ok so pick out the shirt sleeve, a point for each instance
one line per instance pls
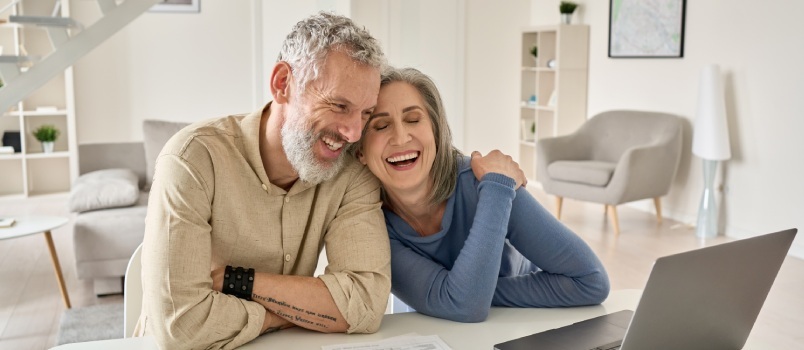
(464, 293)
(569, 273)
(359, 273)
(181, 309)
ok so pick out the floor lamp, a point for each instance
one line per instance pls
(710, 142)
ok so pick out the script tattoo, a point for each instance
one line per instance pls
(297, 318)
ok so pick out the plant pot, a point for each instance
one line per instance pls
(47, 147)
(566, 18)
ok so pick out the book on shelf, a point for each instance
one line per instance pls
(7, 222)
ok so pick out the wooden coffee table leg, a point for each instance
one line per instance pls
(57, 267)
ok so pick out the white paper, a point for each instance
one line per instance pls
(403, 342)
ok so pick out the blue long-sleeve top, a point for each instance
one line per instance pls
(497, 246)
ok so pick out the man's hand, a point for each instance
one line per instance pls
(497, 162)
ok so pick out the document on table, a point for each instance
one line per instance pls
(402, 342)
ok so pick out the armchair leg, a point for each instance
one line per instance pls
(559, 201)
(612, 210)
(658, 203)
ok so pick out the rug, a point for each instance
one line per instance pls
(96, 322)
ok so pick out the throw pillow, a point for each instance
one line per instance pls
(156, 134)
(103, 189)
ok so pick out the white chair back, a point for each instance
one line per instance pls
(132, 293)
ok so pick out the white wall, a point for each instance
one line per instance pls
(172, 66)
(759, 50)
(492, 74)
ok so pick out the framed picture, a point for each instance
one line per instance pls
(177, 6)
(646, 28)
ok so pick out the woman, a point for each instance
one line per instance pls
(464, 235)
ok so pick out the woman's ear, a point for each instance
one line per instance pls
(360, 156)
(280, 82)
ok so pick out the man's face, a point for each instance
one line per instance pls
(329, 115)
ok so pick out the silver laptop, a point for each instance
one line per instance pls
(707, 298)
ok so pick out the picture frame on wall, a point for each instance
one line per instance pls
(192, 6)
(646, 28)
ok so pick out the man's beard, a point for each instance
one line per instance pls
(298, 141)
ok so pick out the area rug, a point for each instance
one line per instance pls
(96, 322)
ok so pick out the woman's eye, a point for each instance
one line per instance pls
(379, 127)
(339, 107)
(412, 120)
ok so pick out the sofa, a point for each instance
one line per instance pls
(109, 200)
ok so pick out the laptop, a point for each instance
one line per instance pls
(707, 298)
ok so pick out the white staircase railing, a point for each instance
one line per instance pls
(70, 42)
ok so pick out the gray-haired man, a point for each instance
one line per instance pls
(266, 192)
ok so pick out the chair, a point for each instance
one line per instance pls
(615, 157)
(132, 294)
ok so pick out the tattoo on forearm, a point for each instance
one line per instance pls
(297, 318)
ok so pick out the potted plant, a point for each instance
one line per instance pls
(566, 8)
(46, 134)
(534, 51)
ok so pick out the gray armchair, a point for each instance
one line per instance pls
(615, 157)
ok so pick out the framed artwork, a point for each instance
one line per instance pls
(646, 28)
(177, 6)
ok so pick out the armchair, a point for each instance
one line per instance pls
(615, 157)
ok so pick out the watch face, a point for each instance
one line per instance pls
(551, 64)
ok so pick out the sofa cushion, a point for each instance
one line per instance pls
(103, 189)
(587, 172)
(156, 134)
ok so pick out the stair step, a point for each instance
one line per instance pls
(46, 21)
(17, 59)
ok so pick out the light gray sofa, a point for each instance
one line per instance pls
(109, 199)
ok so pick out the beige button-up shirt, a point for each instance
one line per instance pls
(211, 205)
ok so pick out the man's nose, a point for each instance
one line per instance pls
(352, 127)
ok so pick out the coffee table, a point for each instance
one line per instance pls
(30, 225)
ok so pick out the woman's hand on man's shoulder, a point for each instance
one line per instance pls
(497, 162)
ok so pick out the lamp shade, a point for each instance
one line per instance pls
(711, 135)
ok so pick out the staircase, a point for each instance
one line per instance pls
(70, 41)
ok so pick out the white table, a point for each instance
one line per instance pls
(30, 225)
(503, 324)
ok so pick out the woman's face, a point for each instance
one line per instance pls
(399, 147)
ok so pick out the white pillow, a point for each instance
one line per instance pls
(103, 189)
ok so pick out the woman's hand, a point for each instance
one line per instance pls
(500, 163)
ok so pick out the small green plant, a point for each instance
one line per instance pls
(46, 133)
(534, 51)
(567, 7)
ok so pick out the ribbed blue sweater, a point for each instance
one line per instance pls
(497, 246)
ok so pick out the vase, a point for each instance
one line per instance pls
(47, 146)
(566, 18)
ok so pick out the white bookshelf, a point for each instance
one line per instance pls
(32, 172)
(560, 90)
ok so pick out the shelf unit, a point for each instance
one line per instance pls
(560, 89)
(32, 172)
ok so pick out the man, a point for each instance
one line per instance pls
(266, 192)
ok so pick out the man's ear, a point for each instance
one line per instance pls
(280, 82)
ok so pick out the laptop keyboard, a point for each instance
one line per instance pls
(610, 346)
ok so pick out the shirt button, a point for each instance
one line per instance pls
(287, 257)
(264, 187)
(287, 199)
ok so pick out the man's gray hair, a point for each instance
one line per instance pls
(306, 47)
